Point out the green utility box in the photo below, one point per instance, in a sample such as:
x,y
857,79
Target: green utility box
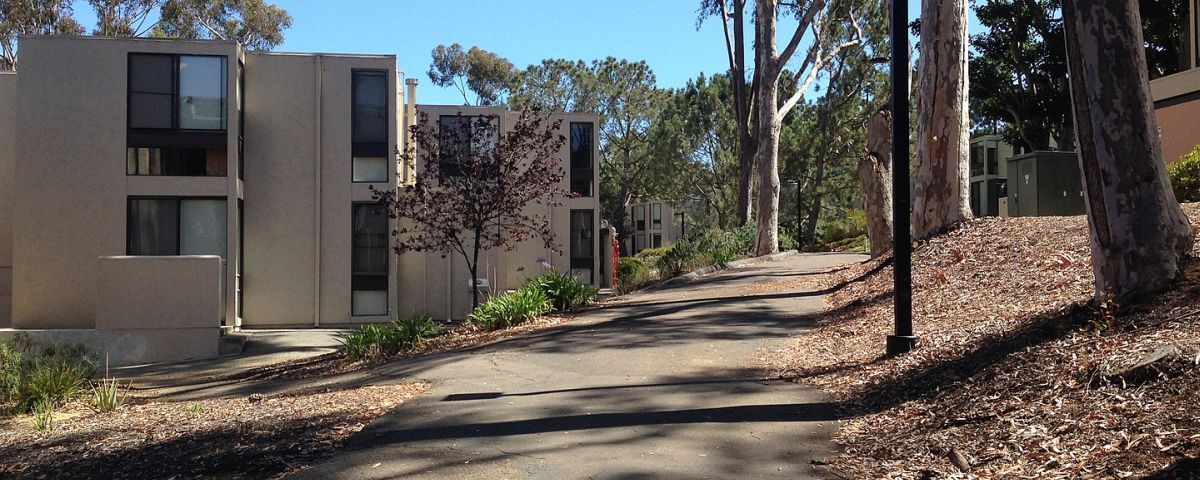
x,y
1044,183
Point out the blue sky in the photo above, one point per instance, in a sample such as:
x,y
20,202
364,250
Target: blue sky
x,y
661,32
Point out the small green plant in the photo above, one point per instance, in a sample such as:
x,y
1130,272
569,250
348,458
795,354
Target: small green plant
x,y
51,383
510,309
682,257
565,292
632,274
194,409
1185,176
107,395
652,252
10,375
374,341
43,416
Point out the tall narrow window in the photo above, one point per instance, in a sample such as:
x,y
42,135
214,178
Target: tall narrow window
x,y
369,126
201,93
656,216
993,160
583,245
639,217
151,91
369,260
582,161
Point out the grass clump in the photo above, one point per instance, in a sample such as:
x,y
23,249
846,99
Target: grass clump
x,y
377,341
510,309
565,292
194,409
107,395
47,373
43,416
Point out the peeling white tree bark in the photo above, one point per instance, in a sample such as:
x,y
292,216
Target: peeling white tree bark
x,y
875,178
941,197
1139,235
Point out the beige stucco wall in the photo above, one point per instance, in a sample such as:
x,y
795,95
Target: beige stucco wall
x,y
1180,128
439,287
1177,106
298,189
70,184
8,99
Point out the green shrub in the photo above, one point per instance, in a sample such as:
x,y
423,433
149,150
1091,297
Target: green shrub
x,y
510,309
831,231
1185,177
682,257
632,273
194,409
10,375
51,383
106,395
376,341
652,252
565,292
43,416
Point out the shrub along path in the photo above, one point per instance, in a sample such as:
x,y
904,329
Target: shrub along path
x,y
664,384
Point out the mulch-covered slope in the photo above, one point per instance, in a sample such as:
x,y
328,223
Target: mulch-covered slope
x,y
249,437
1012,376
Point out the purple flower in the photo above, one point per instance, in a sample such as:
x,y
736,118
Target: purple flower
x,y
543,262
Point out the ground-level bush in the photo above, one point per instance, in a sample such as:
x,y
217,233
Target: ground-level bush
x,y
1185,177
510,309
652,252
371,341
565,292
33,372
632,273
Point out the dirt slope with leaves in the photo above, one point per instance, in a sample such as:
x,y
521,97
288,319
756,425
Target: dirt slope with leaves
x,y
1016,376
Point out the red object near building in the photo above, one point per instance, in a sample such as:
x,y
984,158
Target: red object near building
x,y
616,259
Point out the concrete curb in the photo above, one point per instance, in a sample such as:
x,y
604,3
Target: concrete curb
x,y
697,274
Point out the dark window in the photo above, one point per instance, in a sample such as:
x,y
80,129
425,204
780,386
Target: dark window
x,y
184,92
196,162
369,260
639,217
241,145
176,226
369,124
176,101
975,194
976,160
993,160
656,216
656,240
582,161
997,189
583,245
457,143
152,91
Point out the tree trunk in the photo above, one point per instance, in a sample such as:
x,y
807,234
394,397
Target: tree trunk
x,y
942,198
745,176
767,127
814,208
1139,235
875,178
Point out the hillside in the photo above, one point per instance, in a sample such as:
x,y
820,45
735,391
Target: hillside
x,y
1013,376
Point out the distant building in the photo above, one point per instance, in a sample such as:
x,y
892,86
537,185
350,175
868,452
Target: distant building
x,y
989,174
1177,97
654,224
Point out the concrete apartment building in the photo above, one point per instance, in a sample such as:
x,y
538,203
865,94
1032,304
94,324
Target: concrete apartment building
x,y
1177,97
153,191
654,223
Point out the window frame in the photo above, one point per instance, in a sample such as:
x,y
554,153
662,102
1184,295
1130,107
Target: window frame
x,y
178,221
369,149
174,136
656,218
582,174
355,278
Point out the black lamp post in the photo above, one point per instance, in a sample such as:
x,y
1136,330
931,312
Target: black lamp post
x,y
903,340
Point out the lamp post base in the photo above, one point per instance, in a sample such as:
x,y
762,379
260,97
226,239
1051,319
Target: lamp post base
x,y
897,344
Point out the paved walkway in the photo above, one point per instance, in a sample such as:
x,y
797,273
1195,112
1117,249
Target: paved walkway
x,y
661,386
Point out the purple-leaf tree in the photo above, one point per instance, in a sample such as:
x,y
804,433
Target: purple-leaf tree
x,y
478,188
